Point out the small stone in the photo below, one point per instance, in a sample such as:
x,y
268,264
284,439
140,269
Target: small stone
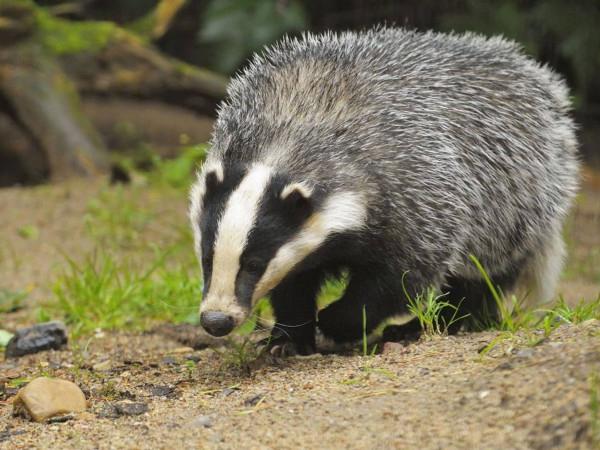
x,y
193,357
162,391
254,400
423,371
483,394
202,421
40,337
128,408
44,398
393,347
107,411
504,366
524,353
103,366
169,361
180,350
61,419
228,391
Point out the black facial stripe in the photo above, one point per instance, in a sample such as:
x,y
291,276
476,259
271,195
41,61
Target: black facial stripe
x,y
213,206
276,223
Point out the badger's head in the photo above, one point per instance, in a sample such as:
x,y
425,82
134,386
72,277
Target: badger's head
x,y
252,226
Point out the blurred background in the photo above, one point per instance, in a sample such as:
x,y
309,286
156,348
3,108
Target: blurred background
x,y
109,86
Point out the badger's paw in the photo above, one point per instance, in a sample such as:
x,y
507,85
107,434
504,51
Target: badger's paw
x,y
410,331
326,344
282,347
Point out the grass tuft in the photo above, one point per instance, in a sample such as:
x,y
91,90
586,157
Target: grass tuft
x,y
512,314
428,308
102,292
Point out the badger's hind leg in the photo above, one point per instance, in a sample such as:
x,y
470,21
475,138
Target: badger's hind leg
x,y
537,284
294,305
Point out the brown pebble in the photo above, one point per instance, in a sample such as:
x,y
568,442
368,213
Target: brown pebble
x,y
393,347
44,398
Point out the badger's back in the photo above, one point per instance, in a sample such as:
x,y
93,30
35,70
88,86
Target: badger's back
x,y
459,144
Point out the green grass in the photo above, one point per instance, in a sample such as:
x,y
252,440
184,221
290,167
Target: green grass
x,y
512,315
29,232
532,326
428,308
11,301
582,311
178,172
103,292
115,218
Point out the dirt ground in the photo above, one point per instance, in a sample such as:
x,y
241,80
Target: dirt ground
x,y
438,393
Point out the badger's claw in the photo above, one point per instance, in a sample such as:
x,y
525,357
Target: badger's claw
x,y
281,347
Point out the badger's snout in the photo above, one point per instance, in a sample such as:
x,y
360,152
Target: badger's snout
x,y
217,323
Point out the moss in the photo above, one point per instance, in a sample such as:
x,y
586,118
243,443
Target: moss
x,y
63,37
60,36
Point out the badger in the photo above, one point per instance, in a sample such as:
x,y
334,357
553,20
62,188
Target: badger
x,y
392,155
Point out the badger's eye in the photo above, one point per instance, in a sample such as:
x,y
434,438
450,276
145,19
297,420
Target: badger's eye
x,y
252,265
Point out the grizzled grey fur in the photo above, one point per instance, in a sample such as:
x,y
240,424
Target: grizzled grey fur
x,y
459,144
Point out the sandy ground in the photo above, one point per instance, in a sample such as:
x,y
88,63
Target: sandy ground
x,y
437,393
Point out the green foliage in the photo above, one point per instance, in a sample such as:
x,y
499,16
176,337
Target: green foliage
x,y
512,315
5,336
178,172
102,292
116,219
234,29
61,36
11,300
428,309
240,354
332,289
581,312
29,232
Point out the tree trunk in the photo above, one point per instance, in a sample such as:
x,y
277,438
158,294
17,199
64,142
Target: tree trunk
x,y
47,63
45,102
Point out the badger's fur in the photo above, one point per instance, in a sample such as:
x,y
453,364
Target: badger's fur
x,y
392,154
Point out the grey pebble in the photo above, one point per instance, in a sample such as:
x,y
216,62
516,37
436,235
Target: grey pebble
x,y
127,408
202,421
524,353
40,337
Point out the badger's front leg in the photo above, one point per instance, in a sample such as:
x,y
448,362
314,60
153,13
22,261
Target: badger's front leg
x,y
294,305
378,292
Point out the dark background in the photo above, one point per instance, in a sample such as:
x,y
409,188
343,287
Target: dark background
x,y
219,35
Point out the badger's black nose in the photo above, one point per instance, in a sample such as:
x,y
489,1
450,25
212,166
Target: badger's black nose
x,y
216,323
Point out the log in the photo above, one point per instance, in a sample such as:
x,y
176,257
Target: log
x,y
45,102
128,68
48,64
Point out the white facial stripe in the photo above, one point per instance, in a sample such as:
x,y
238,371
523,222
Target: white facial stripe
x,y
232,234
197,196
343,211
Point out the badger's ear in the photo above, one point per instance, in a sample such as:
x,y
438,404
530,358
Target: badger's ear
x,y
298,197
213,177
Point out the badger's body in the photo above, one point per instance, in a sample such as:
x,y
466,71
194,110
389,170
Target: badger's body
x,y
386,153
